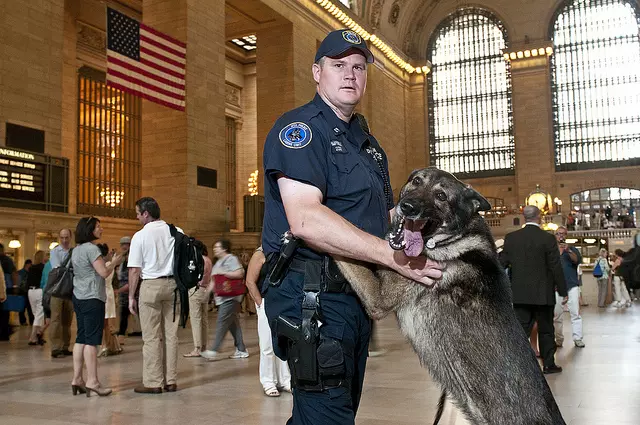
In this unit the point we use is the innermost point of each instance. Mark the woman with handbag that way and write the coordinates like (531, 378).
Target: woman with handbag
(89, 297)
(228, 286)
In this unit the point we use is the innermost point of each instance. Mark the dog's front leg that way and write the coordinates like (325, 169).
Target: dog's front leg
(367, 286)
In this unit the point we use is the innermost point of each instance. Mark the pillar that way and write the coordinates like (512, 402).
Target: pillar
(175, 143)
(284, 58)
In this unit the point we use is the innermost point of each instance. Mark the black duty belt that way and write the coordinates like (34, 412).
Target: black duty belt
(335, 283)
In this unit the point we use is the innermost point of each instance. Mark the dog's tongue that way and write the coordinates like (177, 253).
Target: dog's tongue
(413, 238)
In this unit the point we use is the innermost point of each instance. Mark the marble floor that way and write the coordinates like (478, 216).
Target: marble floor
(600, 384)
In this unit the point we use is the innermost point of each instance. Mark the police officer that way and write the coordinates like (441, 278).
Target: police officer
(327, 182)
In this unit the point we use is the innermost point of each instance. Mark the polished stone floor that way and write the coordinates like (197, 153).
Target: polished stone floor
(600, 384)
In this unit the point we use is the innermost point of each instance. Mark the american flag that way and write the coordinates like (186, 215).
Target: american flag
(145, 62)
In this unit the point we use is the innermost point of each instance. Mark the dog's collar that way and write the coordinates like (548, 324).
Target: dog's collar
(442, 240)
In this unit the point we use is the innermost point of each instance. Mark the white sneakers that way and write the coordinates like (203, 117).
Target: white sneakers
(209, 354)
(213, 355)
(239, 354)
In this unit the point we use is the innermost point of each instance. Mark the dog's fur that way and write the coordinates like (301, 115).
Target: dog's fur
(463, 328)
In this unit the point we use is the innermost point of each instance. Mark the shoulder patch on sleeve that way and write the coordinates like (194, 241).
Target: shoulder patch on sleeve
(296, 135)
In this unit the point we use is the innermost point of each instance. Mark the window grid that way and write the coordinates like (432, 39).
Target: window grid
(230, 163)
(109, 148)
(596, 85)
(470, 112)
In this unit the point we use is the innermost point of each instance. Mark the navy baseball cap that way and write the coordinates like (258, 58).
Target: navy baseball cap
(339, 41)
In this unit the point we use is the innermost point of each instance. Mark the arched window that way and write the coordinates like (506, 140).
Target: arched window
(470, 115)
(596, 84)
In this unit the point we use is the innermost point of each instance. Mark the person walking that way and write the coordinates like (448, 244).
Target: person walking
(227, 267)
(536, 274)
(570, 259)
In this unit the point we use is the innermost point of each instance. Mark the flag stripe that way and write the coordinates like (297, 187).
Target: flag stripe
(163, 36)
(161, 54)
(167, 48)
(147, 94)
(132, 77)
(160, 68)
(151, 54)
(148, 72)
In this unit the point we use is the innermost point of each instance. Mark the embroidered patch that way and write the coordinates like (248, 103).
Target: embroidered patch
(296, 135)
(337, 147)
(351, 37)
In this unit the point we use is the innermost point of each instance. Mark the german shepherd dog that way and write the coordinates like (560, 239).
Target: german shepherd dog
(463, 327)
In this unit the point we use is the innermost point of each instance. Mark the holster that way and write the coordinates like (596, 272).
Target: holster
(316, 363)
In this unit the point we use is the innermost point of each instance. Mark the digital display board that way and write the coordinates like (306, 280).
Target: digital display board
(32, 180)
(21, 177)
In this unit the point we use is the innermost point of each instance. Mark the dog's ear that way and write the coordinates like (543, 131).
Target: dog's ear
(478, 201)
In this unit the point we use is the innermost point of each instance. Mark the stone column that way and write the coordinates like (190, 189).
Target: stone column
(284, 58)
(175, 143)
(533, 128)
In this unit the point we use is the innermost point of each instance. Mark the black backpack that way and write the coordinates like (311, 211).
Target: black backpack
(188, 267)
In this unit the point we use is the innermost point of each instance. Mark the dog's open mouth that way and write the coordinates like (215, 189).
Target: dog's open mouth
(406, 234)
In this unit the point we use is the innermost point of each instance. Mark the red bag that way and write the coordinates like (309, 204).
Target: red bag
(225, 287)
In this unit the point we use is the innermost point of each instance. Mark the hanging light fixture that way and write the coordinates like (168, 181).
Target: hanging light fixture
(14, 244)
(53, 245)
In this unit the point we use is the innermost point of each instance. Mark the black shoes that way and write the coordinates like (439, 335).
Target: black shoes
(57, 354)
(551, 369)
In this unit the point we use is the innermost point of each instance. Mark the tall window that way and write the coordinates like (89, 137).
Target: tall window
(470, 115)
(109, 142)
(230, 164)
(596, 84)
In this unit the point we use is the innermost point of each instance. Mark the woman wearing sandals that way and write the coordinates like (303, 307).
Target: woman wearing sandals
(89, 297)
(274, 373)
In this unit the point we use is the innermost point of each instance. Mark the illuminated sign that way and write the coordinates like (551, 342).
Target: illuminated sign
(32, 180)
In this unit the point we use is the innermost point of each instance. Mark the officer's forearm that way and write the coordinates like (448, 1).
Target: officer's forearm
(325, 231)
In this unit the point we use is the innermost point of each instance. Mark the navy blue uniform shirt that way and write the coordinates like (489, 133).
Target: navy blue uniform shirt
(312, 145)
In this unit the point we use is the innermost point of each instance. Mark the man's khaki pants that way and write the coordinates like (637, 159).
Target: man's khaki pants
(61, 318)
(199, 315)
(159, 332)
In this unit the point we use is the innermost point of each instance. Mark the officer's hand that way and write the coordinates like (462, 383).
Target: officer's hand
(420, 268)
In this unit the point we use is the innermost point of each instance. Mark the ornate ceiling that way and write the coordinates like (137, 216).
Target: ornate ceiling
(408, 24)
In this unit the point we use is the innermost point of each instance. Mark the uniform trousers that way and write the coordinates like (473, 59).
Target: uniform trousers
(573, 305)
(199, 315)
(159, 332)
(274, 373)
(528, 314)
(61, 318)
(344, 319)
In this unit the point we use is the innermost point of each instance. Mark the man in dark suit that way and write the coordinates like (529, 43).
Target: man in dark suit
(536, 273)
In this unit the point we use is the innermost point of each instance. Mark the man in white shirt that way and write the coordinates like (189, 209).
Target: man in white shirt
(61, 310)
(151, 258)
